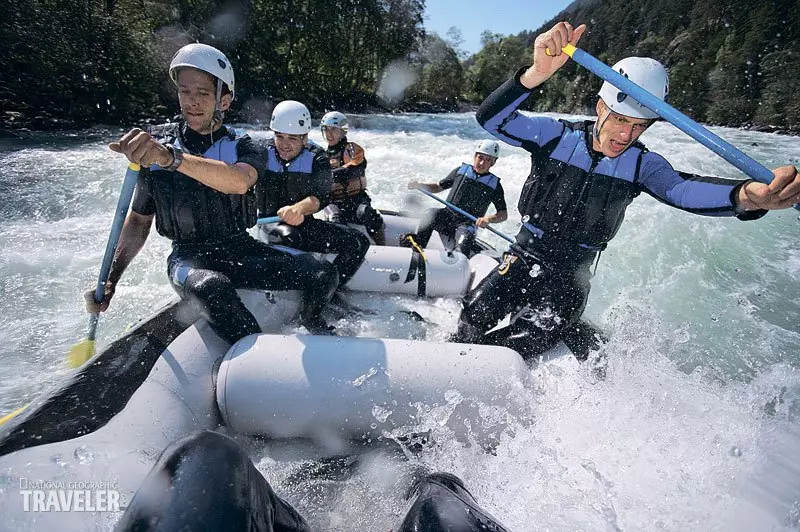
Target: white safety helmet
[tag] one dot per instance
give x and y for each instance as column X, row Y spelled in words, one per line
column 334, row 119
column 206, row 58
column 645, row 72
column 488, row 147
column 290, row 117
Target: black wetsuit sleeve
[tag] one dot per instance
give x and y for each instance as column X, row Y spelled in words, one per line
column 499, row 115
column 321, row 180
column 142, row 195
column 499, row 199
column 448, row 181
column 248, row 152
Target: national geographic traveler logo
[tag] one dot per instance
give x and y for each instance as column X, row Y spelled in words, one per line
column 60, row 496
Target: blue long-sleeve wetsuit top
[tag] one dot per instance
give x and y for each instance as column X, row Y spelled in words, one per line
column 578, row 196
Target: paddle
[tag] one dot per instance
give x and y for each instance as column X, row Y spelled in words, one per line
column 83, row 351
column 268, row 220
column 705, row 137
column 465, row 213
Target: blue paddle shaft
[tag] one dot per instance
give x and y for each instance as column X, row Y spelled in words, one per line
column 465, row 213
column 708, row 139
column 125, row 195
column 268, row 220
column 702, row 135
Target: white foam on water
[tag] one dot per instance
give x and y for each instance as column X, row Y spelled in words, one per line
column 696, row 421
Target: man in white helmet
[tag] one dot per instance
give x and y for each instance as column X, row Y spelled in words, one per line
column 197, row 183
column 472, row 188
column 583, row 177
column 295, row 185
column 350, row 202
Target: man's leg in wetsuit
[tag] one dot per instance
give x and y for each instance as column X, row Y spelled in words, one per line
column 370, row 218
column 262, row 266
column 556, row 304
column 441, row 220
column 206, row 482
column 465, row 238
column 350, row 245
column 209, row 278
column 498, row 294
column 441, row 503
column 211, row 293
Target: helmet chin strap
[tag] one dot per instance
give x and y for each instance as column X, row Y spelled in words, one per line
column 599, row 125
column 218, row 111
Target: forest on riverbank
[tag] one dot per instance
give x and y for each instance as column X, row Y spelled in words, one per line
column 77, row 63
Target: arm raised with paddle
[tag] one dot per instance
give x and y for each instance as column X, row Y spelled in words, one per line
column 583, row 176
column 771, row 190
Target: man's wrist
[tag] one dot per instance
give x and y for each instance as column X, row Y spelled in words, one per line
column 742, row 203
column 177, row 158
column 530, row 79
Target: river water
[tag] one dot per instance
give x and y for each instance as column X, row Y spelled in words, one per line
column 695, row 425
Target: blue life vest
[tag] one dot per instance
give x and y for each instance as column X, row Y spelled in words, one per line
column 189, row 211
column 472, row 192
column 576, row 195
column 285, row 183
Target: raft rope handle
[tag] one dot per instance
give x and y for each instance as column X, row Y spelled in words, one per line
column 416, row 247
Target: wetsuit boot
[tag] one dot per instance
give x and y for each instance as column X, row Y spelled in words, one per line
column 205, row 482
column 440, row 502
column 466, row 333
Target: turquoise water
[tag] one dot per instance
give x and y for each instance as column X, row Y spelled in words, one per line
column 703, row 386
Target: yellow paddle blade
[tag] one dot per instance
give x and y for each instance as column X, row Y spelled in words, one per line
column 12, row 415
column 80, row 353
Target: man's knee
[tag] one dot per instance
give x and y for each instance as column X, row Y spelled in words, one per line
column 286, row 235
column 208, row 286
column 367, row 216
column 322, row 275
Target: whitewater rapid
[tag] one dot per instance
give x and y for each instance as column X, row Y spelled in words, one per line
column 694, row 428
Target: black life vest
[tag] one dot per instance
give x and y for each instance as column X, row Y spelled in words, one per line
column 472, row 192
column 576, row 195
column 189, row 211
column 285, row 183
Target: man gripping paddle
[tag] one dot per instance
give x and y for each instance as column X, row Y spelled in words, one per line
column 583, row 177
column 197, row 184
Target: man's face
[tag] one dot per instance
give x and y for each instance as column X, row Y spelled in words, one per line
column 617, row 132
column 289, row 146
column 482, row 163
column 197, row 94
column 332, row 134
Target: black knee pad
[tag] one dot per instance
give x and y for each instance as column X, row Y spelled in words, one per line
column 366, row 215
column 286, row 235
column 206, row 284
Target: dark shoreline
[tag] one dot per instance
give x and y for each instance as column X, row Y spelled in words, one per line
column 19, row 126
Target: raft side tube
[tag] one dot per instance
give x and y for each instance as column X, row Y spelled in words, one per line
column 297, row 386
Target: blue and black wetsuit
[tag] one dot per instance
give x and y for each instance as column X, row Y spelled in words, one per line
column 469, row 191
column 287, row 182
column 212, row 253
column 572, row 204
column 206, row 481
